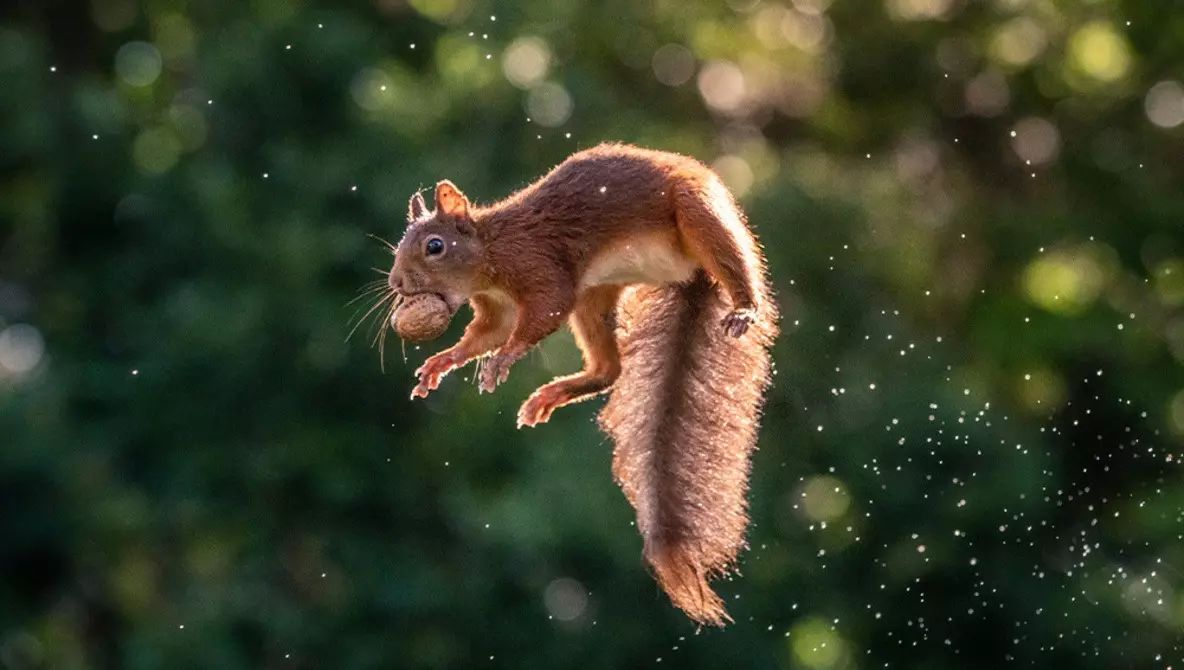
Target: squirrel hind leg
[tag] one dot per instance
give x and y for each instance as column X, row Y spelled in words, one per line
column 593, row 322
column 563, row 391
column 712, row 228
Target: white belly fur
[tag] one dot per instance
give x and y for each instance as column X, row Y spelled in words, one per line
column 656, row 259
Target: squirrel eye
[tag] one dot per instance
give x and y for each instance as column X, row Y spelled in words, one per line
column 435, row 246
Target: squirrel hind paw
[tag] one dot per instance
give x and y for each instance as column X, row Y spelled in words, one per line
column 737, row 322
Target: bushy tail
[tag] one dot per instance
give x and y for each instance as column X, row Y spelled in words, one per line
column 684, row 416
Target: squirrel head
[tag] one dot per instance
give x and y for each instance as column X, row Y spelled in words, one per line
column 440, row 252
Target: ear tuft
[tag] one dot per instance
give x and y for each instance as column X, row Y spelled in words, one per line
column 450, row 201
column 417, row 207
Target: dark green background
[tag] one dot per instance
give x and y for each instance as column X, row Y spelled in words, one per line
column 970, row 456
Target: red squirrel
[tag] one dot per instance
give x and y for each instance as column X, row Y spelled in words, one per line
column 649, row 259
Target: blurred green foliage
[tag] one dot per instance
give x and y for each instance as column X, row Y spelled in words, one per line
column 969, row 459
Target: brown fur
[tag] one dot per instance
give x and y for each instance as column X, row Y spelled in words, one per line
column 648, row 257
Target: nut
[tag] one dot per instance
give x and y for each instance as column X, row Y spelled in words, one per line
column 421, row 317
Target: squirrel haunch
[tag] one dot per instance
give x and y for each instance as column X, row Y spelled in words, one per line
column 649, row 259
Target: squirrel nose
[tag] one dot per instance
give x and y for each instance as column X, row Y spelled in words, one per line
column 395, row 280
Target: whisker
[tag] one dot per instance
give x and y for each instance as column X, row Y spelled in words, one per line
column 384, row 322
column 382, row 346
column 390, row 246
column 377, row 304
column 376, row 282
column 376, row 334
column 370, row 285
column 366, row 293
column 385, row 326
column 354, row 316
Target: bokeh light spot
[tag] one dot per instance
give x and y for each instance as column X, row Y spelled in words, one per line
column 1098, row 51
column 918, row 10
column 1164, row 104
column 21, row 349
column 1019, row 41
column 190, row 125
column 549, row 105
column 174, row 34
column 526, row 62
column 722, row 86
column 806, row 32
column 565, row 599
column 1169, row 281
column 815, row 7
column 987, row 94
column 825, row 498
column 372, row 89
column 816, row 644
column 442, row 11
column 156, row 150
column 1042, row 390
column 138, row 63
column 1175, row 411
column 1066, row 282
column 462, row 63
column 673, row 64
column 1035, row 140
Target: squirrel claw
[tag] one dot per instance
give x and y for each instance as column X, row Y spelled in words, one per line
column 737, row 323
column 495, row 371
column 538, row 408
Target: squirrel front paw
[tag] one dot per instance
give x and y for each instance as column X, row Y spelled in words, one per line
column 737, row 322
column 495, row 371
column 432, row 370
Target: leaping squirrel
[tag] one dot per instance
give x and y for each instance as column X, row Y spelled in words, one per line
column 649, row 259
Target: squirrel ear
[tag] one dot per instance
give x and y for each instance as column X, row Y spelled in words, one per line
column 417, row 207
column 450, row 201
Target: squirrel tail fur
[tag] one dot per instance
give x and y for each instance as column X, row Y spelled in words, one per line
column 683, row 416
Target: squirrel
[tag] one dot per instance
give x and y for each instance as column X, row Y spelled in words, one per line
column 650, row 260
